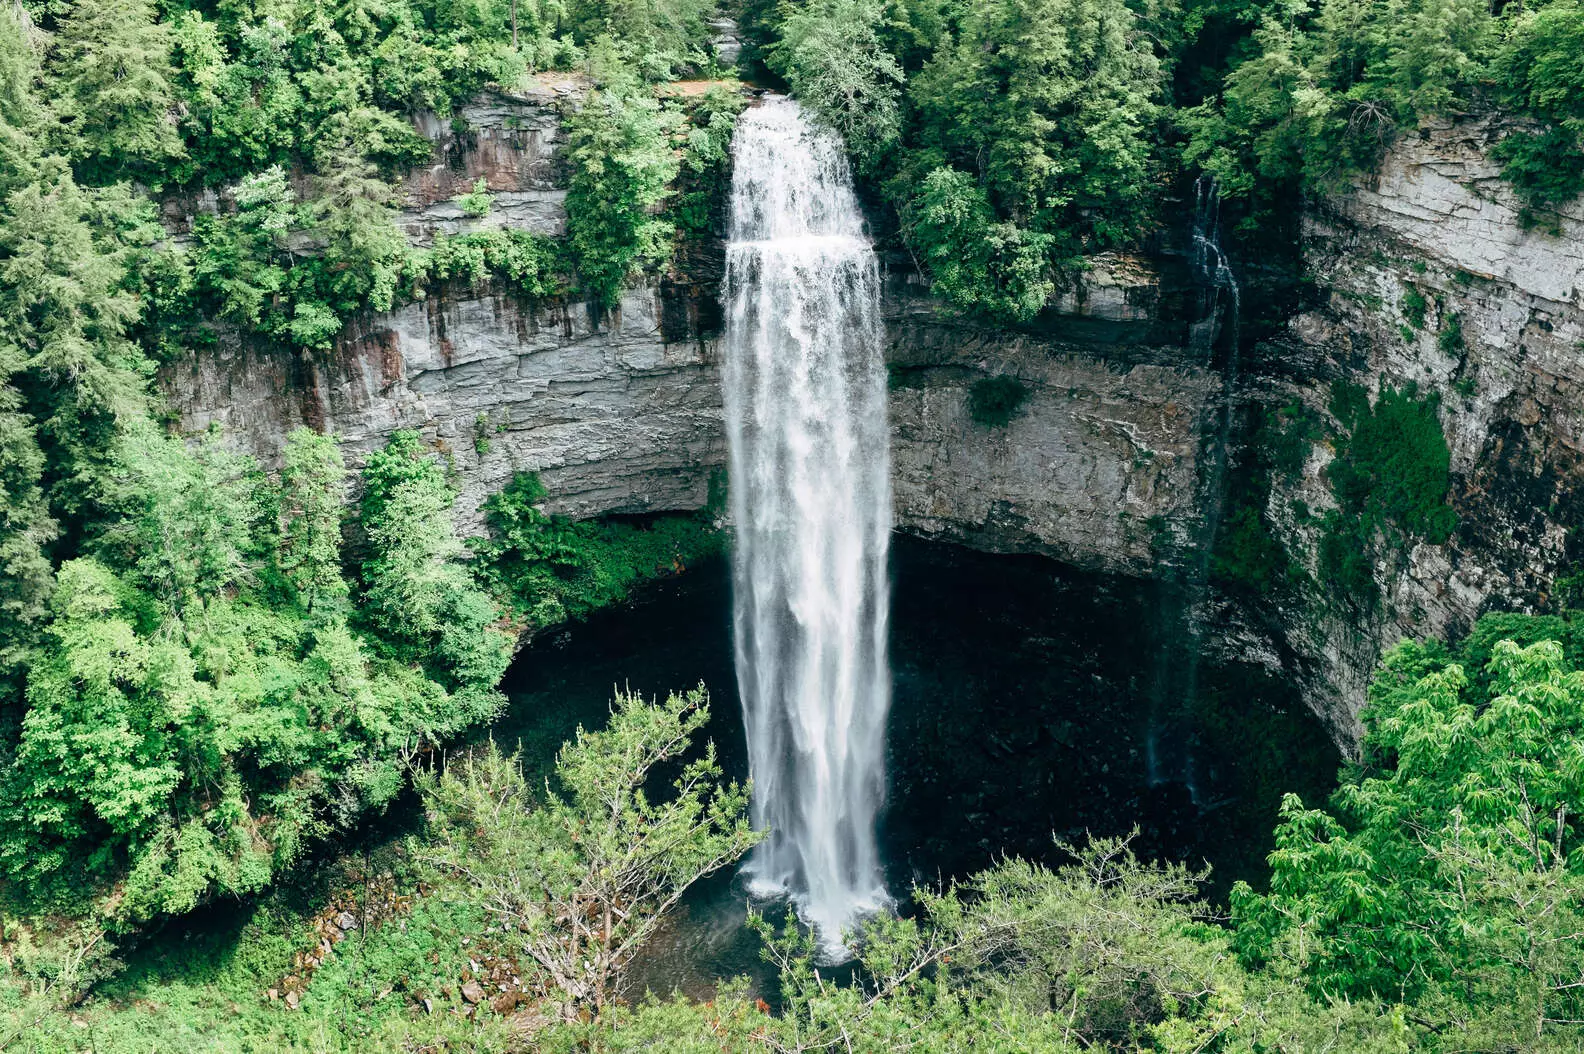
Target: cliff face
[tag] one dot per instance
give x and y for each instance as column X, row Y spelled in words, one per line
column 1103, row 461
column 1429, row 277
column 1109, row 463
column 614, row 417
column 621, row 412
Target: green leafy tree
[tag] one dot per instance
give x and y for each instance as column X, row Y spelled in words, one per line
column 64, row 318
column 313, row 492
column 26, row 526
column 580, row 880
column 109, row 79
column 1446, row 874
column 979, row 266
column 831, row 55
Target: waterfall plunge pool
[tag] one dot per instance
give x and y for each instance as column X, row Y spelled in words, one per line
column 1025, row 701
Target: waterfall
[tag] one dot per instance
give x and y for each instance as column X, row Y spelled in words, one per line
column 1168, row 748
column 805, row 395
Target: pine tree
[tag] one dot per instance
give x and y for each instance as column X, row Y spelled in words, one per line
column 313, row 485
column 25, row 524
column 109, row 76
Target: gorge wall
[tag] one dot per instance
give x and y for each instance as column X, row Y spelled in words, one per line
column 1108, row 463
column 620, row 412
column 1429, row 275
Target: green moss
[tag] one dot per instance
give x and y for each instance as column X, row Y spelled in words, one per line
column 1247, row 554
column 1450, row 339
column 994, row 401
column 1289, row 442
column 1390, row 479
column 1413, row 307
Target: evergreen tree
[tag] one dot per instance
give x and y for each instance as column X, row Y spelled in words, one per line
column 418, row 591
column 313, row 490
column 831, row 55
column 622, row 167
column 26, row 526
column 109, row 79
column 187, row 517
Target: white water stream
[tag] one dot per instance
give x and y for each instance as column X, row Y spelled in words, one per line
column 805, row 395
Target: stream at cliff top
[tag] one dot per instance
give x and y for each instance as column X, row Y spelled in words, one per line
column 1020, row 710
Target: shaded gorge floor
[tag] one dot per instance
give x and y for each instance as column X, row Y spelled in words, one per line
column 1026, row 699
column 1031, row 702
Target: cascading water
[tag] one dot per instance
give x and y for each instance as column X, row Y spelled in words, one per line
column 805, row 396
column 1168, row 749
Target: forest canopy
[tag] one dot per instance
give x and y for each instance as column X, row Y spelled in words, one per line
column 210, row 667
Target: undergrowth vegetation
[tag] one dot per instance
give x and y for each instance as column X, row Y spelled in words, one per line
column 1433, row 905
column 553, row 569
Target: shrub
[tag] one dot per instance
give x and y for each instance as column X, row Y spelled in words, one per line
column 554, row 569
column 994, row 401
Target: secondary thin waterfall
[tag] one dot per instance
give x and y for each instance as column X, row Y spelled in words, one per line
column 805, row 395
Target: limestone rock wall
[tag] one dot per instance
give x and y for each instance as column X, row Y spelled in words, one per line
column 1098, row 468
column 1501, row 343
column 1106, row 465
column 615, row 418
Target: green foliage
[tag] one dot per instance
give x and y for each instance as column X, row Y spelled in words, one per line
column 1447, row 873
column 1322, row 90
column 1413, row 307
column 188, row 519
column 313, row 491
column 579, row 880
column 619, row 148
column 1541, row 67
column 706, row 160
column 994, row 401
column 292, row 270
column 1010, row 137
column 662, row 37
column 528, row 264
column 1051, row 103
column 108, row 73
column 978, row 266
column 188, row 731
column 1435, row 906
column 1246, row 554
column 1030, row 143
column 1390, row 479
column 554, row 569
column 476, row 203
column 418, row 591
column 831, row 55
